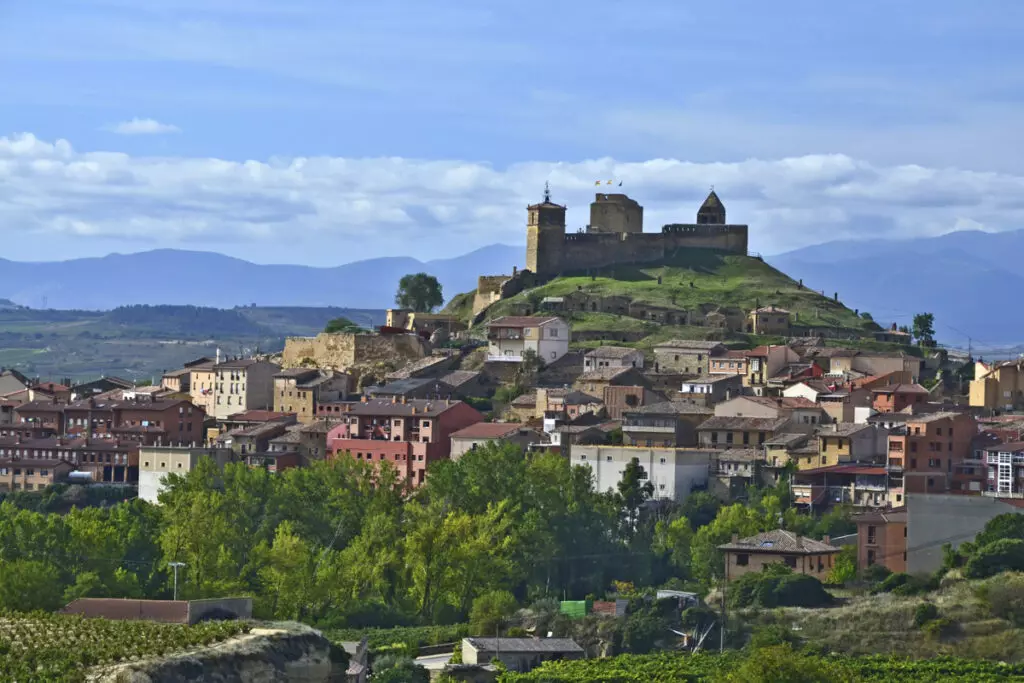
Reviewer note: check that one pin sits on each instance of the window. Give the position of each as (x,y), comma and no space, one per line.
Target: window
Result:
(662,461)
(790,561)
(871,534)
(728,437)
(742,560)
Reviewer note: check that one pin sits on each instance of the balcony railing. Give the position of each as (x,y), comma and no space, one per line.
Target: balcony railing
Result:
(497,357)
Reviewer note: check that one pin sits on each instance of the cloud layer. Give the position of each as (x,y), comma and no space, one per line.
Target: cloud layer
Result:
(143,127)
(330,210)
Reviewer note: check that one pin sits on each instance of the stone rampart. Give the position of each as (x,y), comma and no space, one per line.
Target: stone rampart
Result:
(343,351)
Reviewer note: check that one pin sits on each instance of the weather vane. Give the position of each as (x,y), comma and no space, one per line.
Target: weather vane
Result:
(547,191)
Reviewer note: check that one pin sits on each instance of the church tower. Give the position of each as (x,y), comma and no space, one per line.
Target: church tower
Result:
(712,211)
(545,236)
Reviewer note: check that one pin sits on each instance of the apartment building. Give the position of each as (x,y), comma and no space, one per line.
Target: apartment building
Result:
(924,450)
(882,539)
(509,337)
(243,384)
(103,459)
(202,384)
(410,435)
(673,472)
(31,475)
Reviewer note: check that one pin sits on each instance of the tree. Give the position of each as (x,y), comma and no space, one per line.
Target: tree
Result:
(634,490)
(490,611)
(924,327)
(342,325)
(419,292)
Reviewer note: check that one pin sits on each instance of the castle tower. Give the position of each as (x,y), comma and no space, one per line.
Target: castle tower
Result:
(712,211)
(545,236)
(615,213)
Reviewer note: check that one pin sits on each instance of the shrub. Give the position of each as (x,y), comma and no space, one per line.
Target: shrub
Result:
(876,573)
(996,557)
(778,590)
(490,610)
(905,584)
(1004,597)
(940,628)
(771,635)
(924,613)
(781,663)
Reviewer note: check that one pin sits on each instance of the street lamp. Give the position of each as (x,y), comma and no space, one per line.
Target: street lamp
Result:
(176,566)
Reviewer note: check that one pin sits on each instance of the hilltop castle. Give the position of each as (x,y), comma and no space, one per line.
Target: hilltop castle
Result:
(616,235)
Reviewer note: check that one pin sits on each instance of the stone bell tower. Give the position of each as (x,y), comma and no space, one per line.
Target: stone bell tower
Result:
(545,236)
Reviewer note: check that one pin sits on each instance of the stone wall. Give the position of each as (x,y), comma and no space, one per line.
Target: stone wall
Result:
(342,351)
(292,653)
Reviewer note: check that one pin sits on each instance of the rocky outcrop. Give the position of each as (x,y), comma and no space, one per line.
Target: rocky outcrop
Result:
(286,652)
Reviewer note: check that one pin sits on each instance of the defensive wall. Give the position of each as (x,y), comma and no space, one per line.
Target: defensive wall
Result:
(342,351)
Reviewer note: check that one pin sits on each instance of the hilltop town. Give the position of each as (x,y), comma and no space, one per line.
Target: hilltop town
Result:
(658,395)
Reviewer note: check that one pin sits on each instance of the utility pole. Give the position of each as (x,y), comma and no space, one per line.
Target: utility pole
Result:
(721,630)
(176,566)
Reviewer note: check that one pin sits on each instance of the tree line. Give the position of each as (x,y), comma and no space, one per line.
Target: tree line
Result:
(335,544)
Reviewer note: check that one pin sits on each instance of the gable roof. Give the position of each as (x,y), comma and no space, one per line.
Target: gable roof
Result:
(611,352)
(780,541)
(712,203)
(488,430)
(901,389)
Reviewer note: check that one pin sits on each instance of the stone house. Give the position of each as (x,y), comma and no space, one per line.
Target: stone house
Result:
(613,357)
(799,410)
(301,390)
(768,320)
(663,425)
(801,554)
(594,381)
(481,433)
(726,432)
(687,356)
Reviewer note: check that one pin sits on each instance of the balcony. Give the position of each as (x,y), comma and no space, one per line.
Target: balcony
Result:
(498,358)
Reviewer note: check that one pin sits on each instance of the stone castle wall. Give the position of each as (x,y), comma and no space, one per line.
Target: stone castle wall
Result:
(343,351)
(597,250)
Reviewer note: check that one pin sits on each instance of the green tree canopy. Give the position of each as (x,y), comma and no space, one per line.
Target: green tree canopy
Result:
(419,292)
(924,327)
(342,324)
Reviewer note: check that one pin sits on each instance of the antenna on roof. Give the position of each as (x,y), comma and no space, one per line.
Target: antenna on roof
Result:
(547,192)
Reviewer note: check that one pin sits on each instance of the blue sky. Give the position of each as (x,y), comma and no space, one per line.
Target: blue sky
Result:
(325,132)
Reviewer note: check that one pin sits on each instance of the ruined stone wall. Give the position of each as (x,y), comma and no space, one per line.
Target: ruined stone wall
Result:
(342,351)
(488,291)
(599,250)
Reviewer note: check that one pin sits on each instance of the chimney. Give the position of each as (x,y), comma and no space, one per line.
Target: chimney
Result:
(827,540)
(218,357)
(735,538)
(403,400)
(414,410)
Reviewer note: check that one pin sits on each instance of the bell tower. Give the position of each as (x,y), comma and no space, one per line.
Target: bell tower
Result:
(545,236)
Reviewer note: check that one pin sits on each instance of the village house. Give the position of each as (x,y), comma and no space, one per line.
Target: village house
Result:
(595,381)
(669,424)
(896,397)
(410,434)
(19,474)
(301,390)
(481,433)
(766,362)
(882,539)
(519,654)
(102,459)
(470,383)
(801,554)
(799,410)
(253,439)
(418,387)
(618,399)
(846,443)
(736,469)
(243,384)
(997,386)
(510,336)
(710,390)
(202,383)
(729,363)
(687,356)
(613,357)
(726,432)
(893,335)
(12,381)
(768,320)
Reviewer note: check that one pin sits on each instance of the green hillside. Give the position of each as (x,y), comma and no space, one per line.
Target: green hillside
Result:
(688,281)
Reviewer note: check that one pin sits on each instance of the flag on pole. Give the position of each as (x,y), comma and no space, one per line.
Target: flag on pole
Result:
(597,182)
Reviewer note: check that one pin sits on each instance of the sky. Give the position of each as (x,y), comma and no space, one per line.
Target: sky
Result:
(324,132)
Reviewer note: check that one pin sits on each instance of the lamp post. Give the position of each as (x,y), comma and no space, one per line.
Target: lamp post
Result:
(176,566)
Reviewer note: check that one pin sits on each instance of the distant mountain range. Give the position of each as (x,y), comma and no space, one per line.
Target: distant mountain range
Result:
(971,281)
(171,276)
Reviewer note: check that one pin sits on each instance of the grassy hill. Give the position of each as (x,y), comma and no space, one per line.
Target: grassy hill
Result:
(686,282)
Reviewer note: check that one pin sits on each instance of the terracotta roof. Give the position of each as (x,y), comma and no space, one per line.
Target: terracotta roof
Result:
(761,424)
(488,430)
(780,541)
(521,321)
(50,387)
(901,389)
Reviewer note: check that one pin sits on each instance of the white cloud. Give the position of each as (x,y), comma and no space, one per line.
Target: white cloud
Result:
(143,127)
(329,210)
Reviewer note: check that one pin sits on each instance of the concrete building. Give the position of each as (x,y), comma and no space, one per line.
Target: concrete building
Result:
(882,539)
(410,435)
(926,448)
(864,486)
(519,654)
(244,384)
(802,555)
(156,462)
(510,336)
(674,472)
(301,390)
(481,433)
(613,357)
(998,386)
(688,356)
